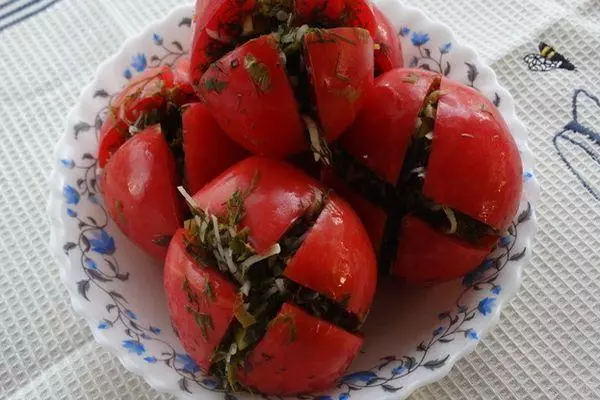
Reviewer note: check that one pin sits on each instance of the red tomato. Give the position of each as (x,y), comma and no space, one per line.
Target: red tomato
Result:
(332,257)
(217,24)
(474,165)
(336,13)
(309,359)
(207,150)
(139,187)
(426,255)
(340,65)
(382,131)
(113,133)
(183,92)
(197,291)
(252,100)
(389,54)
(335,260)
(473,168)
(147,91)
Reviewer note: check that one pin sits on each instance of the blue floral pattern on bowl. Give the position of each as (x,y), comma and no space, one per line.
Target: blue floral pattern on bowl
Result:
(104,263)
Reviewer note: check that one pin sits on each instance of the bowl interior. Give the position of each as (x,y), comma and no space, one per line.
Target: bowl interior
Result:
(413,335)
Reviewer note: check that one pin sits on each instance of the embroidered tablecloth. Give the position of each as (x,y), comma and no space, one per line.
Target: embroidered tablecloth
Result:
(547,345)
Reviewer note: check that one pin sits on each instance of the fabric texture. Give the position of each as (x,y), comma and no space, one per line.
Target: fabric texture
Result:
(547,345)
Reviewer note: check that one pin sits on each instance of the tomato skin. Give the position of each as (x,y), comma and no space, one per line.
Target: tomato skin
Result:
(311,361)
(337,259)
(218,303)
(145,92)
(336,13)
(139,187)
(474,164)
(183,91)
(426,255)
(383,130)
(257,112)
(217,23)
(281,195)
(340,65)
(113,133)
(208,151)
(389,54)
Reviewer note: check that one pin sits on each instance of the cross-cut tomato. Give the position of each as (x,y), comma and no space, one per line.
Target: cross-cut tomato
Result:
(207,150)
(331,260)
(139,187)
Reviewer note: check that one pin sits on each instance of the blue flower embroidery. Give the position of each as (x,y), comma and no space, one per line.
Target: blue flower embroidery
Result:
(91,264)
(151,359)
(134,347)
(157,39)
(496,290)
(68,163)
(404,31)
(71,195)
(103,243)
(344,396)
(71,213)
(438,331)
(419,38)
(127,74)
(189,365)
(103,325)
(528,175)
(486,305)
(444,49)
(398,370)
(130,314)
(367,377)
(138,62)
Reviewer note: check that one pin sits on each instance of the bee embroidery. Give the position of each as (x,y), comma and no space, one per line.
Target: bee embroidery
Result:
(547,59)
(578,145)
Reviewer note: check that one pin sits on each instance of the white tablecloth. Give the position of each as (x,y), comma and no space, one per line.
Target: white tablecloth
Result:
(547,345)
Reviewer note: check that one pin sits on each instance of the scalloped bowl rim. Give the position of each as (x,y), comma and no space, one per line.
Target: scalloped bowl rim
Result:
(56,180)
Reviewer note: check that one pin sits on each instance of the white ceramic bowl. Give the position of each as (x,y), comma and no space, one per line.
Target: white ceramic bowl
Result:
(413,335)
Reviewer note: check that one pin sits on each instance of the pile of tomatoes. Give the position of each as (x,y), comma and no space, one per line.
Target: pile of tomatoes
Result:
(284,167)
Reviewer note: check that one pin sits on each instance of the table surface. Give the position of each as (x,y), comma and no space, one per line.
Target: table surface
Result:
(547,345)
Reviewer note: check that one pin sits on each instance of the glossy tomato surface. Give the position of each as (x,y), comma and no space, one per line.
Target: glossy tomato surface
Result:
(340,65)
(207,150)
(389,53)
(337,259)
(183,91)
(201,301)
(139,186)
(299,354)
(474,164)
(383,130)
(251,98)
